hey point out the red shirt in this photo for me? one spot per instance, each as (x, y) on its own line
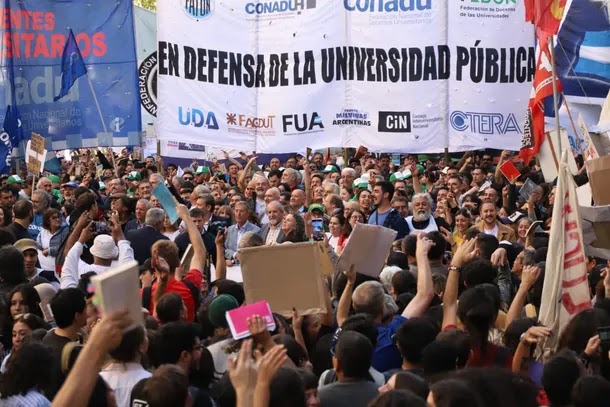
(174, 286)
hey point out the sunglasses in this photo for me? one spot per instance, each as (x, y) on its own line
(187, 178)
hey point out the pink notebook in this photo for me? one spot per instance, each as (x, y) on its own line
(238, 318)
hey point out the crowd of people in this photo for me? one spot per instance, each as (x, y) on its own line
(451, 319)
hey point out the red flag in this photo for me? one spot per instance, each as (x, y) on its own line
(545, 14)
(533, 132)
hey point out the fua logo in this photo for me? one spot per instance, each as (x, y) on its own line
(197, 118)
(302, 122)
(198, 9)
(388, 6)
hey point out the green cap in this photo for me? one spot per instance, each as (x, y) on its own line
(316, 207)
(55, 179)
(423, 157)
(420, 168)
(14, 179)
(102, 186)
(330, 168)
(134, 175)
(218, 309)
(202, 170)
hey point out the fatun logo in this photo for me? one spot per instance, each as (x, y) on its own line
(197, 118)
(394, 122)
(198, 9)
(484, 123)
(302, 123)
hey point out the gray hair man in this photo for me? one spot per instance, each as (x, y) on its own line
(143, 239)
(422, 219)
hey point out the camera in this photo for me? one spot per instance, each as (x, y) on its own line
(101, 228)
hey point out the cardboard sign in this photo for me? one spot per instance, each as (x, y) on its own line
(37, 143)
(287, 276)
(599, 171)
(34, 159)
(590, 152)
(510, 172)
(367, 249)
(119, 288)
(549, 157)
(238, 318)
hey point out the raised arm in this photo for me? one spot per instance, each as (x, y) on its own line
(425, 287)
(307, 182)
(221, 262)
(241, 181)
(70, 274)
(125, 250)
(450, 295)
(415, 177)
(528, 278)
(345, 302)
(199, 252)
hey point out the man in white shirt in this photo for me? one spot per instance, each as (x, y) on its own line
(272, 232)
(261, 185)
(105, 250)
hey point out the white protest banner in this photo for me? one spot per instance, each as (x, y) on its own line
(590, 152)
(405, 76)
(177, 149)
(566, 288)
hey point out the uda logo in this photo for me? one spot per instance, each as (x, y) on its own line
(198, 9)
(197, 118)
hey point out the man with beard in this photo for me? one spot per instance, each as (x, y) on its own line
(261, 185)
(271, 232)
(422, 219)
(490, 225)
(384, 215)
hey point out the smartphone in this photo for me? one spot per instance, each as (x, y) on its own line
(318, 229)
(45, 307)
(604, 335)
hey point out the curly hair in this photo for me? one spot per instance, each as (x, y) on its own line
(30, 369)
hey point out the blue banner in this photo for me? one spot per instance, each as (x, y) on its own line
(102, 107)
(581, 53)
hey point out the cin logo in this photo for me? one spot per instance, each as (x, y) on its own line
(197, 118)
(484, 123)
(198, 9)
(302, 122)
(394, 122)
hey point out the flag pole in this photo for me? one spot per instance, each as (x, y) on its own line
(99, 112)
(555, 93)
(576, 132)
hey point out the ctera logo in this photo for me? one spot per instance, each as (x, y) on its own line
(281, 6)
(198, 9)
(197, 118)
(394, 122)
(388, 6)
(302, 123)
(484, 123)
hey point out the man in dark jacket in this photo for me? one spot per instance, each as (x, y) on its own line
(142, 239)
(384, 214)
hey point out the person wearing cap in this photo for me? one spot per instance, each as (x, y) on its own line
(67, 191)
(105, 249)
(15, 179)
(29, 248)
(202, 174)
(133, 179)
(217, 316)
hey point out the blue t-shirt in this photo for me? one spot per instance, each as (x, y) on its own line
(377, 218)
(386, 355)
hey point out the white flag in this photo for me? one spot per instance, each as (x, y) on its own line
(566, 289)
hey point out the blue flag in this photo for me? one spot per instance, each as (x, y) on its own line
(72, 66)
(9, 138)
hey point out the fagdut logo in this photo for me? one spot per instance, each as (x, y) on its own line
(197, 118)
(198, 9)
(279, 8)
(294, 124)
(246, 124)
(147, 83)
(352, 117)
(484, 123)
